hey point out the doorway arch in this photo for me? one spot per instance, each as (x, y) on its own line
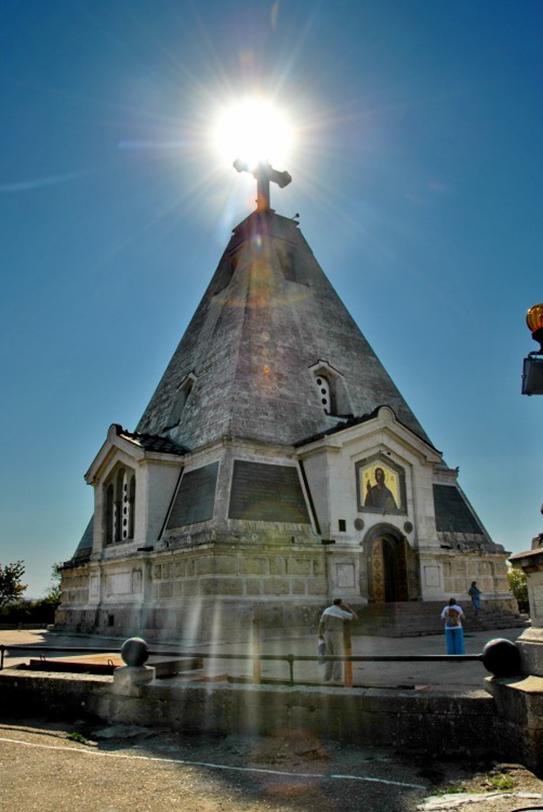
(387, 566)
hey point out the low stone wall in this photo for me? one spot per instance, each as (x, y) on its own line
(24, 626)
(425, 722)
(519, 703)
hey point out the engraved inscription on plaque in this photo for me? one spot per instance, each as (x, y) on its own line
(93, 586)
(266, 493)
(345, 576)
(195, 499)
(136, 581)
(431, 576)
(119, 583)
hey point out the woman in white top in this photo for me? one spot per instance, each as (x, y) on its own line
(452, 615)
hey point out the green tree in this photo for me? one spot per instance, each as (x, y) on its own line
(11, 588)
(54, 593)
(518, 584)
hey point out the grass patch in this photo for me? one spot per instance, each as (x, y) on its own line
(494, 780)
(452, 789)
(501, 781)
(77, 737)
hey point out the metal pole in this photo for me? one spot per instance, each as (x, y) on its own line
(348, 653)
(290, 658)
(256, 650)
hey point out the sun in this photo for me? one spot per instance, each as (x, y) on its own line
(254, 129)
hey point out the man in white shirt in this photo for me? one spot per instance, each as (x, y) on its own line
(331, 631)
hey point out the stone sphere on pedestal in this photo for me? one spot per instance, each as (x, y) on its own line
(135, 651)
(501, 657)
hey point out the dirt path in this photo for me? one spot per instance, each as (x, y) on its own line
(58, 768)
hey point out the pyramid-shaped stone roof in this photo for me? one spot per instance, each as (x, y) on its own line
(268, 323)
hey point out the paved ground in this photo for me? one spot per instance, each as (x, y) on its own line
(58, 767)
(443, 676)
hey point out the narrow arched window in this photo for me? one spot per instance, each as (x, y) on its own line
(119, 504)
(132, 507)
(331, 388)
(109, 514)
(126, 508)
(119, 519)
(326, 394)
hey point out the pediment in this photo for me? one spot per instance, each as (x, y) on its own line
(131, 448)
(116, 450)
(381, 428)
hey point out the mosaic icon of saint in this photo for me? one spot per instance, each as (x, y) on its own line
(378, 495)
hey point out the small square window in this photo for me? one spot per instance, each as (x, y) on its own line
(342, 525)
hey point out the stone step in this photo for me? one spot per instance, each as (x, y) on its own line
(417, 619)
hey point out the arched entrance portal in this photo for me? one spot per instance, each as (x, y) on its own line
(387, 566)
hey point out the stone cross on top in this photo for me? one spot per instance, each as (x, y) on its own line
(264, 174)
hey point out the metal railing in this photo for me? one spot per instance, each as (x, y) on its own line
(257, 658)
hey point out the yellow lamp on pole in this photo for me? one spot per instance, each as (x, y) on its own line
(532, 372)
(534, 320)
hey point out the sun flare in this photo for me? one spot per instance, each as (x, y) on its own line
(254, 130)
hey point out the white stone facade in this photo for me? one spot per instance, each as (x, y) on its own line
(224, 572)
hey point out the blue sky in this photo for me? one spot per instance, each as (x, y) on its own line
(417, 174)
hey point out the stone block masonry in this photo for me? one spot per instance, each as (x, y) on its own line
(242, 573)
(427, 723)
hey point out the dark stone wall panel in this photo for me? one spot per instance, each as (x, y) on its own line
(195, 498)
(267, 493)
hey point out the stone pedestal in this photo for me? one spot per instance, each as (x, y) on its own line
(519, 700)
(129, 680)
(519, 709)
(531, 563)
(530, 644)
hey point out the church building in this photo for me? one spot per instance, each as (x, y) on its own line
(276, 467)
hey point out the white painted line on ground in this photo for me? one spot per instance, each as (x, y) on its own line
(87, 752)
